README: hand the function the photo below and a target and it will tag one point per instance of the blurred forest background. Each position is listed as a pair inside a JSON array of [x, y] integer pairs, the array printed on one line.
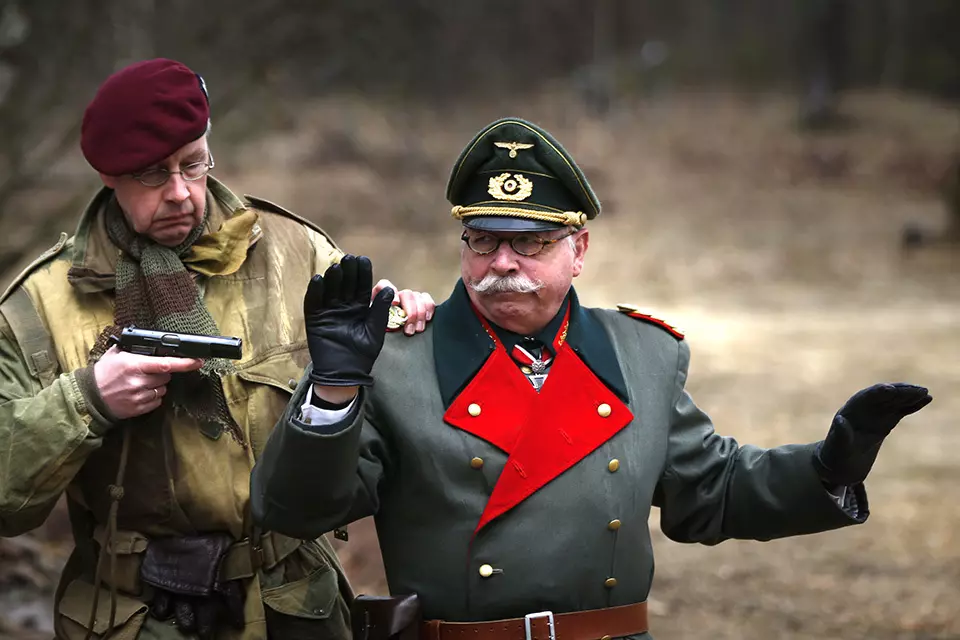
[[781, 177]]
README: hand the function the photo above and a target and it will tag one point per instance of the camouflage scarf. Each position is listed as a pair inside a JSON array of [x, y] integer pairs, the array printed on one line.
[[155, 291]]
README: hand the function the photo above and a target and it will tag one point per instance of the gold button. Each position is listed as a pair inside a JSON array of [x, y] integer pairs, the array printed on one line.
[[474, 409], [613, 525], [477, 463], [486, 571], [609, 583], [603, 410], [613, 465], [292, 383], [526, 370]]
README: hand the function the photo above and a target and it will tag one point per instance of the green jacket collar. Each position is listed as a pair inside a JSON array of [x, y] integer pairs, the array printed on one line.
[[94, 255], [461, 345]]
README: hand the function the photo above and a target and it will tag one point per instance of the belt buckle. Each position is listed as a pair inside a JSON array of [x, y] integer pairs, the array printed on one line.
[[543, 614]]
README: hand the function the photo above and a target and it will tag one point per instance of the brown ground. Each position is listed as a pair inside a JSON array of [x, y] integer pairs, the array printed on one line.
[[777, 254]]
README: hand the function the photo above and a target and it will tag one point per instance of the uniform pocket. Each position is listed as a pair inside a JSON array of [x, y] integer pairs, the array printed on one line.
[[128, 547], [312, 597], [73, 614], [304, 597], [259, 393]]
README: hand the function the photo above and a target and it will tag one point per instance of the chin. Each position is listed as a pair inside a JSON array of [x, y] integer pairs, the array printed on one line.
[[510, 308], [171, 239]]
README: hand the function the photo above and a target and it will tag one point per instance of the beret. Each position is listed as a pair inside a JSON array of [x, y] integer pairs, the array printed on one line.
[[142, 114]]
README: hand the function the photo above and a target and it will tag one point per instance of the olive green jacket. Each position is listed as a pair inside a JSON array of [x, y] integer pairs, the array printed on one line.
[[54, 439], [581, 540]]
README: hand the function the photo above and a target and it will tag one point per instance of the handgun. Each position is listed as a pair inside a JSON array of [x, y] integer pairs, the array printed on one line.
[[180, 345]]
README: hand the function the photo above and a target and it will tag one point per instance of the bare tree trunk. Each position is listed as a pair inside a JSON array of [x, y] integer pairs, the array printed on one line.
[[133, 22], [598, 84], [895, 53], [824, 48]]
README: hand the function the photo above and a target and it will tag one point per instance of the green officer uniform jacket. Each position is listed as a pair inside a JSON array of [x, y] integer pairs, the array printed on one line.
[[178, 482], [493, 501]]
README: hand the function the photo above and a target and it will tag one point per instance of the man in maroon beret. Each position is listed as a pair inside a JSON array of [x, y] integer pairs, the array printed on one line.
[[154, 452]]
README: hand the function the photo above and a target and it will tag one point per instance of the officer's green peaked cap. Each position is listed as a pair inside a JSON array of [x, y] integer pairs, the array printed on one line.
[[514, 176]]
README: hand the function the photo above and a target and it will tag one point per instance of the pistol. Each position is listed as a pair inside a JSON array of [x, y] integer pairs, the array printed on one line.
[[180, 345]]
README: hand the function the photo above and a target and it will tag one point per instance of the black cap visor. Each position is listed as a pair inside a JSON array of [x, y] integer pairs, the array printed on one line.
[[507, 223]]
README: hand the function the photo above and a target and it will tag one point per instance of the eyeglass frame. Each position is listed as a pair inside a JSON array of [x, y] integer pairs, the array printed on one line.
[[209, 163], [544, 243]]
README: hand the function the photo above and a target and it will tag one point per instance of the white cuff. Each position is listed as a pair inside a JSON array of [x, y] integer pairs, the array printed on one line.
[[313, 415]]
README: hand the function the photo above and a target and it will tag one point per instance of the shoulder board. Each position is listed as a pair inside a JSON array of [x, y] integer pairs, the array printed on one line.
[[273, 207], [45, 257], [643, 314]]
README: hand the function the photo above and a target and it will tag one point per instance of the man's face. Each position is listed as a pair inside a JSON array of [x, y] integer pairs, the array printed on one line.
[[517, 292], [167, 213]]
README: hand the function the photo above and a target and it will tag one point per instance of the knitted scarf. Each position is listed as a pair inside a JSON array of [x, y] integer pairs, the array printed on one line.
[[155, 291]]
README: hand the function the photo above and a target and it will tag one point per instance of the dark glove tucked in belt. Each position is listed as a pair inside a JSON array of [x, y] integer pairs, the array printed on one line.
[[184, 573], [857, 431]]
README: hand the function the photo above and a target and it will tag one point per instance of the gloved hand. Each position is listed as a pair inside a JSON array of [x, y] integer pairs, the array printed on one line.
[[202, 615], [345, 331], [859, 427]]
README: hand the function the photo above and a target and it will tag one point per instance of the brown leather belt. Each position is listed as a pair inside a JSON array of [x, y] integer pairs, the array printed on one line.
[[596, 624]]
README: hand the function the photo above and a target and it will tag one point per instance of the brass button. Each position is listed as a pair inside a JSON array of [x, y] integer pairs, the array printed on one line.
[[526, 370], [613, 525], [477, 463], [613, 465], [473, 409], [604, 410], [486, 571], [292, 383], [609, 583]]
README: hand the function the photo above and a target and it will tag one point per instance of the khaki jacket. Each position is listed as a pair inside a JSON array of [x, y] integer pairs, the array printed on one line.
[[178, 481]]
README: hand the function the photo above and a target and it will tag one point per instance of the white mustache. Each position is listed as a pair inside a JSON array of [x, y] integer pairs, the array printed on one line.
[[516, 283]]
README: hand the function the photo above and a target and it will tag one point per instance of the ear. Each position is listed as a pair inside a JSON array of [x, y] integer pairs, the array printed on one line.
[[108, 181], [580, 243]]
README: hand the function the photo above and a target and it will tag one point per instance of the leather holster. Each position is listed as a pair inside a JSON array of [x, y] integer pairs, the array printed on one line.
[[187, 565], [386, 617]]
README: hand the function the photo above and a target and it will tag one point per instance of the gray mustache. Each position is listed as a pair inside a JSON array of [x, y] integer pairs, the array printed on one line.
[[516, 283]]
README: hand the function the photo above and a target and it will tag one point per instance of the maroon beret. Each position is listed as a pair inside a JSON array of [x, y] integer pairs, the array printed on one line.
[[142, 114]]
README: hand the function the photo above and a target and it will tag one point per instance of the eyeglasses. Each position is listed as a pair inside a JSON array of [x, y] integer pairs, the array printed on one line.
[[526, 244], [159, 176]]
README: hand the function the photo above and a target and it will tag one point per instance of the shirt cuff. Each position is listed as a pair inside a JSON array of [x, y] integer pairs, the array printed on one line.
[[323, 419], [845, 498]]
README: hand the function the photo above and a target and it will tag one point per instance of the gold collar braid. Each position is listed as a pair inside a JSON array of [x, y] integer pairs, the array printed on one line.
[[566, 218]]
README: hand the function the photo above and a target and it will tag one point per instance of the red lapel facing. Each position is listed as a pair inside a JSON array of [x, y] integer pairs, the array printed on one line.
[[495, 404], [573, 414]]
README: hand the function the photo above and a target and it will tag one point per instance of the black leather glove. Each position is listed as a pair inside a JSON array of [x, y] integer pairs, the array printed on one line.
[[202, 615], [858, 429], [344, 330]]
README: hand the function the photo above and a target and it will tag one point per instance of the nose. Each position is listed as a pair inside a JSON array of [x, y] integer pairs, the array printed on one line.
[[504, 260], [176, 189]]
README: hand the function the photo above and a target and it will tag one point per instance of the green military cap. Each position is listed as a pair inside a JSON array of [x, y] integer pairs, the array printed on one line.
[[513, 176]]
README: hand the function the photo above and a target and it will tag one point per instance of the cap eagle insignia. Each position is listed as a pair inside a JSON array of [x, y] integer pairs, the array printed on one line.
[[513, 147]]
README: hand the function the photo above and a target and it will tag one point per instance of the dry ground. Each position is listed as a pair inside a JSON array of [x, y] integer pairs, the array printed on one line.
[[777, 253]]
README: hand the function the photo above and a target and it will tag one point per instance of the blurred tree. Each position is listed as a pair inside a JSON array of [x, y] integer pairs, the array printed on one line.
[[823, 49], [46, 56]]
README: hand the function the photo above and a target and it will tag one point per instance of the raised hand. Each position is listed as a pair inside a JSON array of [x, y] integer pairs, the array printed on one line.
[[345, 330], [132, 384], [859, 428]]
